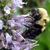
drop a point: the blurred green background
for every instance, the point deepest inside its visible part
(44, 38)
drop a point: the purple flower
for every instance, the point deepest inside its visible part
(17, 3)
(16, 45)
(1, 24)
(8, 38)
(17, 36)
(22, 20)
(7, 9)
(11, 23)
(2, 38)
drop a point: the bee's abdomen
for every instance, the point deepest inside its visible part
(33, 31)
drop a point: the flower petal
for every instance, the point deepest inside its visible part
(7, 9)
(1, 24)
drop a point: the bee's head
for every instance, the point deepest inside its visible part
(33, 10)
(35, 13)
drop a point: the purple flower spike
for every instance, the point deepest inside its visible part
(13, 27)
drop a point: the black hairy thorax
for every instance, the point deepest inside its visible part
(33, 31)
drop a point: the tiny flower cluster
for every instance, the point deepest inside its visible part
(13, 26)
(12, 5)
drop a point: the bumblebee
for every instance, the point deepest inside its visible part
(38, 26)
